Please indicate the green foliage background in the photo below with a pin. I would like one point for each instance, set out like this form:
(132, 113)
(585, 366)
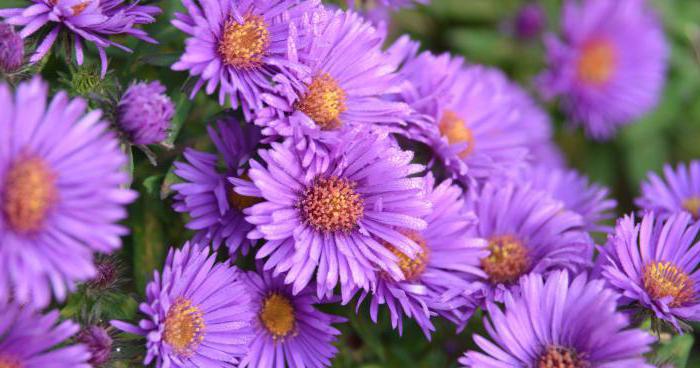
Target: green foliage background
(478, 29)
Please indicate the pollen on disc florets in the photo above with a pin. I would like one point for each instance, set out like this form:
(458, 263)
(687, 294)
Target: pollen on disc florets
(412, 269)
(508, 259)
(456, 131)
(664, 279)
(243, 45)
(692, 205)
(323, 102)
(558, 357)
(331, 205)
(277, 315)
(184, 327)
(29, 193)
(597, 62)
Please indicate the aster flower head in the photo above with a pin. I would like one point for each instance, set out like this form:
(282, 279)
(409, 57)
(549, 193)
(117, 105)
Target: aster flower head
(11, 49)
(331, 221)
(481, 123)
(93, 21)
(61, 193)
(654, 265)
(589, 200)
(558, 322)
(29, 339)
(677, 191)
(239, 46)
(448, 262)
(527, 231)
(350, 80)
(208, 196)
(198, 312)
(98, 342)
(289, 330)
(609, 66)
(144, 113)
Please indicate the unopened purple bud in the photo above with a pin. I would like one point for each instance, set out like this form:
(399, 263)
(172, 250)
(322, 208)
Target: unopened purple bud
(145, 112)
(98, 342)
(530, 21)
(11, 49)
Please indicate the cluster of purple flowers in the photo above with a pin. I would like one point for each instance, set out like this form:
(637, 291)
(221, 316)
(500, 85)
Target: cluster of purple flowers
(320, 183)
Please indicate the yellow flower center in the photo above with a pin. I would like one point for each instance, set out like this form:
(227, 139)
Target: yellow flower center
(30, 191)
(331, 204)
(558, 357)
(323, 102)
(663, 279)
(692, 205)
(412, 268)
(240, 201)
(243, 45)
(184, 327)
(277, 315)
(508, 259)
(456, 131)
(597, 62)
(7, 361)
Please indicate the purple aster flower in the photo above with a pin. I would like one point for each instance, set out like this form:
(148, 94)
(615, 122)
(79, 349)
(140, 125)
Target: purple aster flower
(215, 208)
(480, 121)
(589, 200)
(609, 66)
(528, 232)
(449, 260)
(331, 221)
(289, 330)
(61, 193)
(93, 21)
(530, 21)
(654, 265)
(680, 191)
(239, 46)
(144, 113)
(98, 342)
(198, 312)
(11, 49)
(28, 339)
(556, 322)
(547, 154)
(349, 80)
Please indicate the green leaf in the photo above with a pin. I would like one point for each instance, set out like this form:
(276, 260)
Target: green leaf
(184, 104)
(675, 351)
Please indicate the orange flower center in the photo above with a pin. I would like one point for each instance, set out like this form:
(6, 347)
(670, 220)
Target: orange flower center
(331, 204)
(323, 102)
(277, 315)
(30, 192)
(692, 205)
(243, 45)
(456, 131)
(184, 327)
(664, 279)
(597, 62)
(558, 357)
(7, 361)
(508, 259)
(412, 268)
(78, 9)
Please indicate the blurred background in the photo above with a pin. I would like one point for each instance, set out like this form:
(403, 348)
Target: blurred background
(483, 31)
